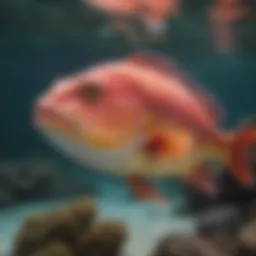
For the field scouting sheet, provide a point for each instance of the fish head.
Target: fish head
(93, 116)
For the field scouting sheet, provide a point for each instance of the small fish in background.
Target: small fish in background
(223, 16)
(137, 18)
(157, 14)
(140, 117)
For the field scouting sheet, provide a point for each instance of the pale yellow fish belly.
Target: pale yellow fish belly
(107, 141)
(144, 165)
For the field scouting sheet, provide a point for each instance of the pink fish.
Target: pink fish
(223, 15)
(140, 117)
(123, 14)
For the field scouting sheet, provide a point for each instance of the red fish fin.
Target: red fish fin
(241, 158)
(202, 180)
(170, 68)
(144, 191)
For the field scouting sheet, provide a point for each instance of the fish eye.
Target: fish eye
(91, 92)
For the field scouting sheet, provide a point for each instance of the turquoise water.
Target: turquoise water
(41, 41)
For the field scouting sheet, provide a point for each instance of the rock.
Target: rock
(224, 243)
(243, 251)
(6, 196)
(230, 192)
(247, 236)
(250, 210)
(222, 220)
(186, 245)
(36, 178)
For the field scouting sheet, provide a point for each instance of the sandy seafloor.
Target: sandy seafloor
(146, 223)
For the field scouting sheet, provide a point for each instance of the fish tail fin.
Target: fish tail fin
(241, 155)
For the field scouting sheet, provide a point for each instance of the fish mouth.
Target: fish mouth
(47, 118)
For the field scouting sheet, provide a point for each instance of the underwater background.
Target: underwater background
(43, 40)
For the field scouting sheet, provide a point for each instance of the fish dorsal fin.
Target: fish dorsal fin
(152, 60)
(169, 68)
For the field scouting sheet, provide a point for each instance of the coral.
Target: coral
(104, 238)
(31, 236)
(84, 212)
(71, 230)
(55, 248)
(60, 226)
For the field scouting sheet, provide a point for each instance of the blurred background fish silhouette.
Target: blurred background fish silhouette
(224, 15)
(139, 20)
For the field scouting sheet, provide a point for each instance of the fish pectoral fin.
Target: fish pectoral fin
(201, 179)
(142, 190)
(170, 144)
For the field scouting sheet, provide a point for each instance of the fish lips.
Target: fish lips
(49, 118)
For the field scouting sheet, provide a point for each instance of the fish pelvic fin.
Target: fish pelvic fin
(142, 190)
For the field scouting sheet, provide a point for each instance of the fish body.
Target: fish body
(138, 116)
